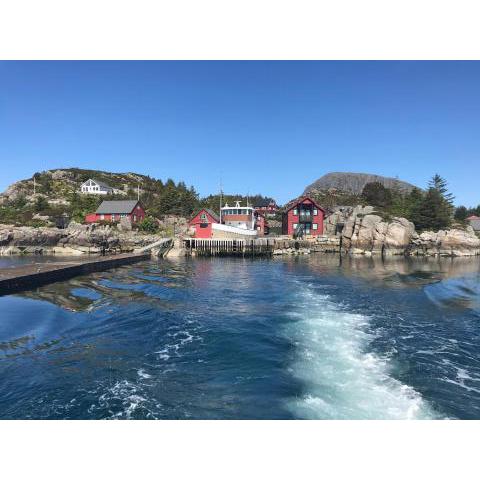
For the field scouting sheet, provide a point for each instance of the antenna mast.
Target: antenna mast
(221, 198)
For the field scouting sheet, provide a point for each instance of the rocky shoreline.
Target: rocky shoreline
(354, 231)
(75, 240)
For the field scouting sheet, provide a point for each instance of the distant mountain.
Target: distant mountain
(353, 183)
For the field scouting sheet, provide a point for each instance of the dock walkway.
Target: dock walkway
(24, 277)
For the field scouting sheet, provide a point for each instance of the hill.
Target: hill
(57, 193)
(353, 183)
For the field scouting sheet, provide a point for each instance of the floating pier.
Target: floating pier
(28, 276)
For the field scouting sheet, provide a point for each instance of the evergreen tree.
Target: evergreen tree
(440, 184)
(41, 204)
(461, 213)
(433, 212)
(376, 194)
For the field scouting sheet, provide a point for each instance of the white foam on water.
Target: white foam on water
(341, 378)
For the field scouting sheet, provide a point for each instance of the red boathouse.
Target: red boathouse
(114, 210)
(202, 223)
(303, 216)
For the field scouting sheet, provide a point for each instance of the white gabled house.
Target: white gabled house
(95, 187)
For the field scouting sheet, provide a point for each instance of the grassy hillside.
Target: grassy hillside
(58, 193)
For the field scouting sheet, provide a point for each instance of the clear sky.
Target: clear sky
(263, 127)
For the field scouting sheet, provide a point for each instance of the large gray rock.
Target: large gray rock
(452, 243)
(365, 233)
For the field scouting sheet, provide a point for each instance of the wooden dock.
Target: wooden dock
(28, 276)
(230, 247)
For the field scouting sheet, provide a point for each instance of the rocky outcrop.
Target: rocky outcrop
(366, 233)
(453, 243)
(77, 239)
(353, 183)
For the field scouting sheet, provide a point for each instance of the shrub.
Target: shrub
(149, 225)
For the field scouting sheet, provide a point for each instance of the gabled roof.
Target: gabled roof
(300, 199)
(210, 212)
(473, 217)
(117, 206)
(99, 183)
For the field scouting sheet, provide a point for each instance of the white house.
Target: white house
(95, 187)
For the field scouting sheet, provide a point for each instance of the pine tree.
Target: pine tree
(433, 212)
(461, 213)
(376, 194)
(440, 184)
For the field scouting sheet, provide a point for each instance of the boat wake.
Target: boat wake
(341, 379)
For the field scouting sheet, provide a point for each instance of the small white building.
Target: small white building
(95, 187)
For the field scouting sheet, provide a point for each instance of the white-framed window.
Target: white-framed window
(295, 225)
(203, 216)
(315, 211)
(134, 217)
(113, 217)
(295, 211)
(102, 217)
(315, 226)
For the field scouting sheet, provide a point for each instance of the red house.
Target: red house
(267, 208)
(261, 223)
(114, 210)
(303, 216)
(202, 223)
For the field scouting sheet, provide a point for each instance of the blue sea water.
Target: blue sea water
(230, 338)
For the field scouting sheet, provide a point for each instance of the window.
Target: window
(203, 217)
(113, 217)
(315, 226)
(315, 211)
(295, 211)
(102, 217)
(295, 226)
(134, 218)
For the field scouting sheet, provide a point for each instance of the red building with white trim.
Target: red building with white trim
(303, 216)
(202, 223)
(114, 210)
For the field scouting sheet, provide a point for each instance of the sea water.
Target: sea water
(311, 337)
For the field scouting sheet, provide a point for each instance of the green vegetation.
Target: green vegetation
(148, 225)
(375, 193)
(213, 201)
(462, 212)
(429, 210)
(57, 194)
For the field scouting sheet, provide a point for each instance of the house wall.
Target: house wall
(136, 216)
(202, 227)
(290, 219)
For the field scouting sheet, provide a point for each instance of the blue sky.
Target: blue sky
(263, 127)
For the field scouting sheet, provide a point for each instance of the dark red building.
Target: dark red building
(261, 223)
(202, 223)
(267, 208)
(303, 216)
(114, 210)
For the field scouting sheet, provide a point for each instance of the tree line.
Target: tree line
(430, 209)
